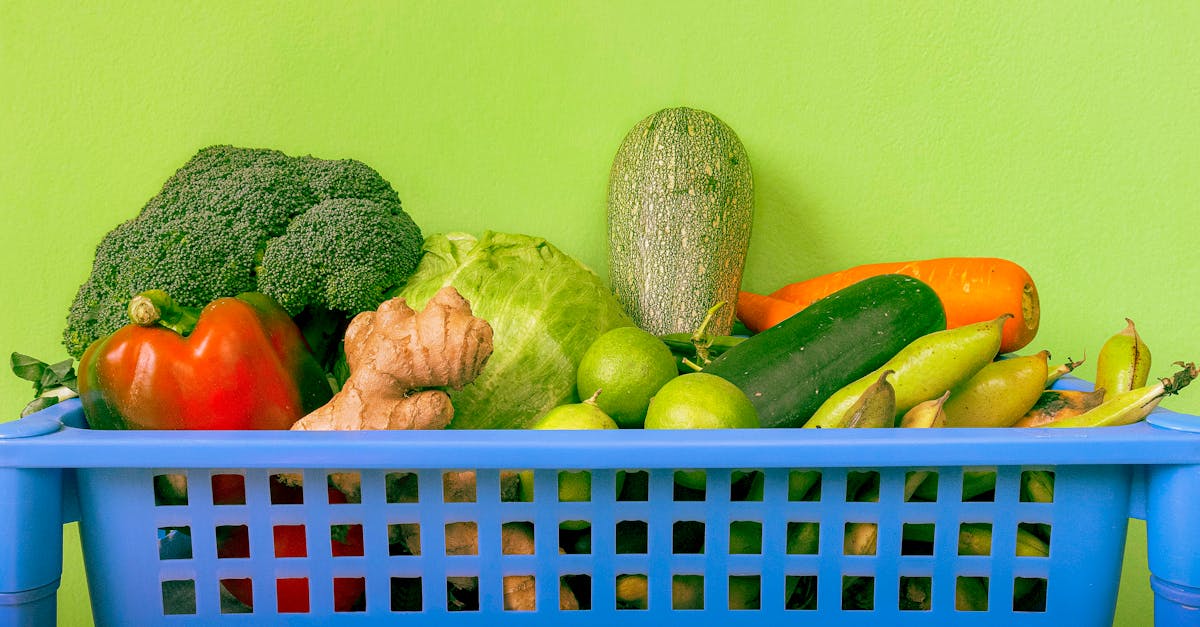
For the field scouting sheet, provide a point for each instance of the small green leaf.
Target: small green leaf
(27, 367)
(64, 369)
(60, 374)
(49, 380)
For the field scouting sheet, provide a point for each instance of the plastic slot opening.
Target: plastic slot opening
(687, 592)
(179, 597)
(406, 594)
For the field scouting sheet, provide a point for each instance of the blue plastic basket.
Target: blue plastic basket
(154, 563)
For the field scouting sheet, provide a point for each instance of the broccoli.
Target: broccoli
(326, 239)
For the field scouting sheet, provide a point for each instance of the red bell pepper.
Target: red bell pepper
(240, 363)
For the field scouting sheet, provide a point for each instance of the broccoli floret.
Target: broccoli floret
(327, 239)
(314, 262)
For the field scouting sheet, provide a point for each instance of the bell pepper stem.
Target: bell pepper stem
(157, 308)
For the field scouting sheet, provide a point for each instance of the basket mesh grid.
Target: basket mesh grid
(826, 543)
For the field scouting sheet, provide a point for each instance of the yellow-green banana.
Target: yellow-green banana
(925, 368)
(1132, 406)
(1038, 486)
(923, 415)
(999, 394)
(875, 408)
(1124, 362)
(1059, 404)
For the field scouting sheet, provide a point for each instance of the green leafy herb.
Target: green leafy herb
(52, 383)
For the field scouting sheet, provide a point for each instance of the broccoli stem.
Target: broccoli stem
(323, 330)
(157, 308)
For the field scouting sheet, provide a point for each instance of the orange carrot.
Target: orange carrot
(760, 313)
(972, 289)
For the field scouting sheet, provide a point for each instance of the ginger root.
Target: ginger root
(401, 361)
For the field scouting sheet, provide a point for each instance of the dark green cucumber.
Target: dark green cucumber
(787, 371)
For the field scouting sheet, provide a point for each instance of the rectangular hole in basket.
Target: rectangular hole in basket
(579, 587)
(915, 594)
(575, 537)
(633, 536)
(687, 592)
(745, 592)
(574, 486)
(174, 543)
(800, 592)
(170, 489)
(862, 486)
(516, 538)
(401, 487)
(233, 541)
(349, 594)
(1029, 594)
(290, 540)
(858, 593)
(458, 486)
(971, 594)
(633, 591)
(804, 485)
(690, 485)
(287, 488)
(516, 486)
(241, 596)
(687, 536)
(346, 540)
(228, 489)
(803, 538)
(917, 539)
(520, 593)
(975, 538)
(920, 486)
(860, 538)
(1033, 540)
(462, 538)
(511, 486)
(462, 594)
(633, 485)
(979, 485)
(178, 597)
(745, 537)
(746, 485)
(344, 488)
(291, 595)
(406, 594)
(1037, 486)
(404, 539)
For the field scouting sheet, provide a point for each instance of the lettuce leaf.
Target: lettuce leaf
(545, 309)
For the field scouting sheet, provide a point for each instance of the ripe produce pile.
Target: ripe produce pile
(262, 291)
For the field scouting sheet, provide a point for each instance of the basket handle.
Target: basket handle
(31, 526)
(1173, 542)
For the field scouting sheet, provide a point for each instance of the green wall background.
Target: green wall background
(1061, 135)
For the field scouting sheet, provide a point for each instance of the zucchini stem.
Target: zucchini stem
(700, 337)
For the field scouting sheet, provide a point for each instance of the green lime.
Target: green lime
(629, 365)
(700, 401)
(572, 485)
(576, 416)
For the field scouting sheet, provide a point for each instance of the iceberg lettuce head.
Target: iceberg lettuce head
(545, 309)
